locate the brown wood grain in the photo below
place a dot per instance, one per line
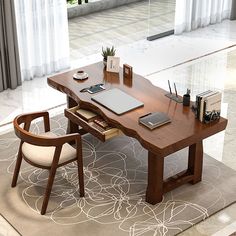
(184, 130)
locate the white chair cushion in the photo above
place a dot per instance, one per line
(44, 155)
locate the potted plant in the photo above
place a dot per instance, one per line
(108, 51)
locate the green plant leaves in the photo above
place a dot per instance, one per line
(108, 51)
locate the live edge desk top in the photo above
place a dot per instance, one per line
(183, 131)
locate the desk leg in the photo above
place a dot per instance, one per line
(195, 161)
(154, 191)
(71, 127)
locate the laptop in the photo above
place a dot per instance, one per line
(117, 101)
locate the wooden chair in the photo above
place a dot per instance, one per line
(47, 151)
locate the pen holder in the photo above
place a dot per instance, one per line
(186, 100)
(174, 97)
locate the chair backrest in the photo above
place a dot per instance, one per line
(26, 136)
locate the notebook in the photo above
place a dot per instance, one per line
(154, 120)
(86, 114)
(117, 101)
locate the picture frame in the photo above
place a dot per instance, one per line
(113, 64)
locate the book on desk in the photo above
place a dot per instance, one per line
(154, 120)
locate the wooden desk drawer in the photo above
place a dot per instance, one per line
(90, 126)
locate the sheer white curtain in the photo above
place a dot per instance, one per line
(42, 28)
(193, 14)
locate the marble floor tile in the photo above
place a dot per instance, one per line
(6, 229)
(33, 95)
(135, 21)
(222, 223)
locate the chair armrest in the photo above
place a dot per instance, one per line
(39, 140)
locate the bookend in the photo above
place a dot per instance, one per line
(211, 116)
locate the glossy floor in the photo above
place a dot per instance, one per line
(147, 58)
(6, 229)
(120, 26)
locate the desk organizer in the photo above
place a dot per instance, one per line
(172, 96)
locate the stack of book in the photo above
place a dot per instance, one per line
(208, 106)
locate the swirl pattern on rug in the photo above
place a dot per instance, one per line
(115, 184)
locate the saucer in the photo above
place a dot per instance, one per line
(80, 75)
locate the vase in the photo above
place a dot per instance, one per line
(105, 62)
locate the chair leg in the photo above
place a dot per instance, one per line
(80, 172)
(48, 189)
(17, 167)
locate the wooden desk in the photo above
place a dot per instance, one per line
(183, 131)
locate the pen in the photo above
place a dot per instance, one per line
(169, 87)
(145, 115)
(83, 90)
(175, 90)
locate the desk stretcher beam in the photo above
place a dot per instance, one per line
(157, 186)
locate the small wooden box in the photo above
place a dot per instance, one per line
(127, 71)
